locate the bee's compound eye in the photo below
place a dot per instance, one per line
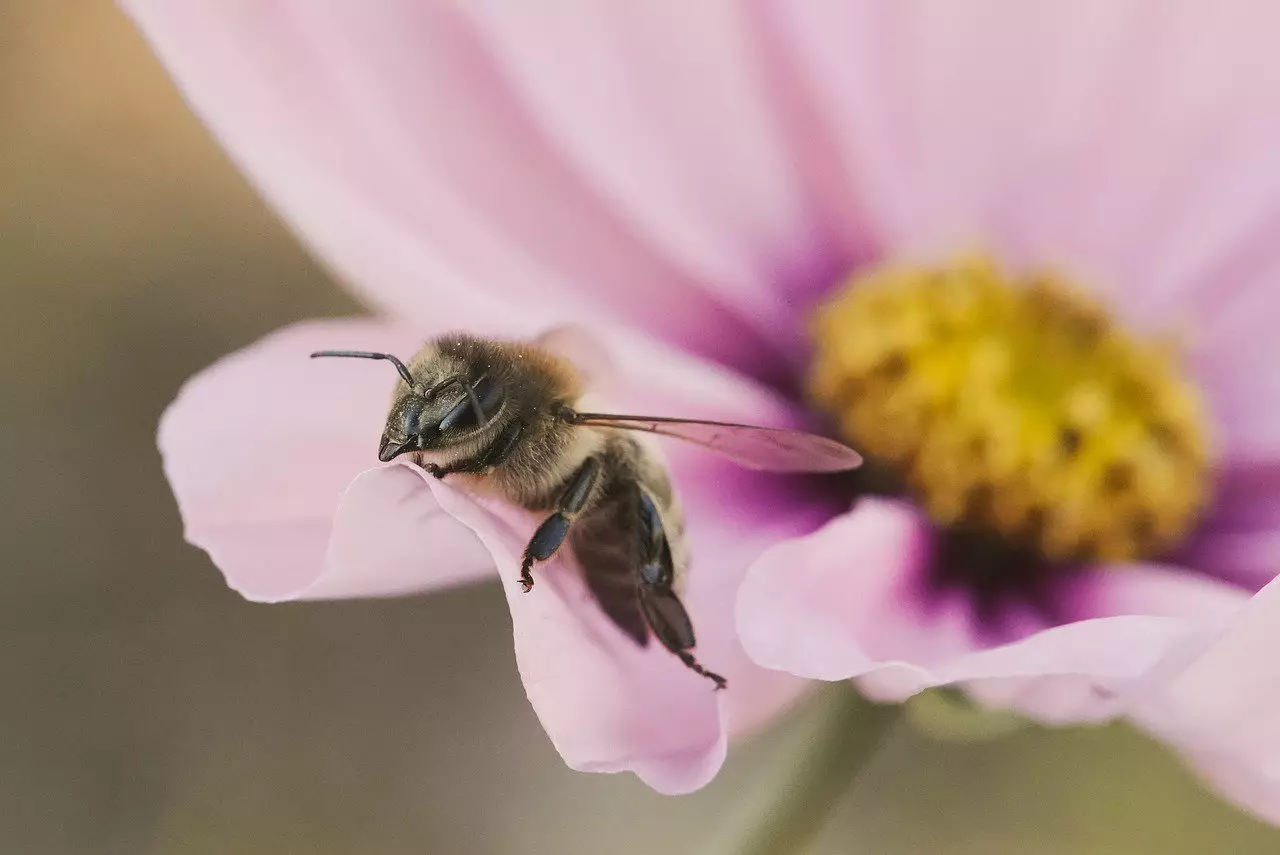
(412, 425)
(464, 416)
(490, 395)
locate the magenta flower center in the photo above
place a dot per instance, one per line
(1016, 407)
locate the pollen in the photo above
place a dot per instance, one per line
(1016, 406)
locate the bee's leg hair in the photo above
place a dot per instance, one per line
(496, 452)
(573, 501)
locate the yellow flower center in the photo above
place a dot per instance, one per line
(1015, 407)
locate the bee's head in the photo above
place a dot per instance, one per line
(443, 407)
(444, 414)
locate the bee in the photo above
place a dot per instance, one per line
(501, 418)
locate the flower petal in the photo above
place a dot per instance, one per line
(805, 602)
(1134, 142)
(1150, 589)
(1219, 707)
(1239, 540)
(851, 601)
(260, 449)
(607, 704)
(1234, 354)
(390, 539)
(1249, 559)
(665, 109)
(1122, 622)
(389, 137)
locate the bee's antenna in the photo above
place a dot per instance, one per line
(362, 354)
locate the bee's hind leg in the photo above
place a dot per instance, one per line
(669, 621)
(692, 664)
(573, 501)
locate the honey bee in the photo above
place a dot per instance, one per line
(500, 417)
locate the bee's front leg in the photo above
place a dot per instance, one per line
(547, 539)
(496, 452)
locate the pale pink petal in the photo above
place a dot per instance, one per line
(804, 603)
(390, 539)
(638, 374)
(607, 704)
(1150, 589)
(1219, 707)
(844, 59)
(851, 601)
(390, 138)
(261, 448)
(1234, 354)
(1122, 622)
(1133, 142)
(665, 109)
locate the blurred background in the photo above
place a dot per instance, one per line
(145, 708)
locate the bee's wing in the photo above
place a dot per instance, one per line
(767, 449)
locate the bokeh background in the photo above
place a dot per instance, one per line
(145, 708)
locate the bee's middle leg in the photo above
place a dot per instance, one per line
(573, 501)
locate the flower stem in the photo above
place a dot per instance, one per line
(818, 764)
(948, 715)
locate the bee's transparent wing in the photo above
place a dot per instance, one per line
(766, 449)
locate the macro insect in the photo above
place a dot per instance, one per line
(500, 416)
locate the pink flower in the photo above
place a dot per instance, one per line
(1215, 698)
(269, 455)
(693, 180)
